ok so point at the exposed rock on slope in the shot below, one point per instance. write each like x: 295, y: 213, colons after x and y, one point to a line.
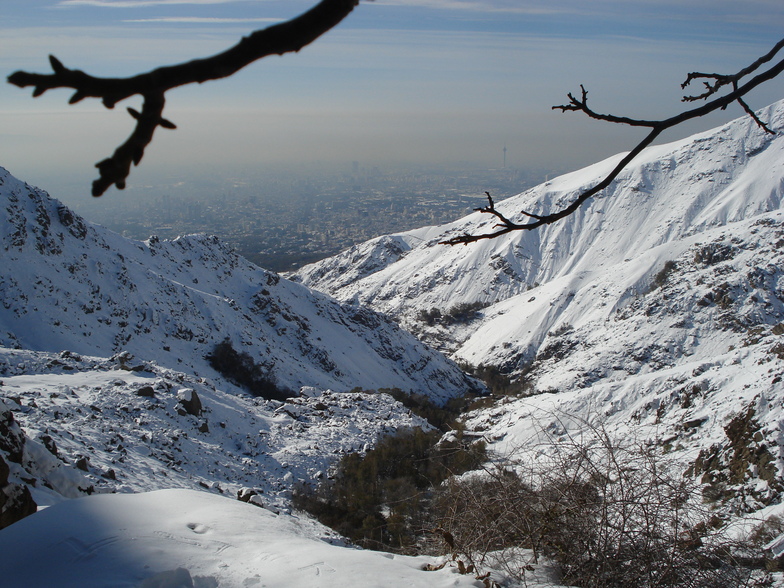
x: 84, y: 425
x: 16, y: 501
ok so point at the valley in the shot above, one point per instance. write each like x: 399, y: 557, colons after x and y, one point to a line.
x: 653, y: 319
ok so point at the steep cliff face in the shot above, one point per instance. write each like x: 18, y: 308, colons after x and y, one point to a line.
x: 70, y: 285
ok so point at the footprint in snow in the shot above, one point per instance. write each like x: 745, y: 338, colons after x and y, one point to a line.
x: 198, y: 528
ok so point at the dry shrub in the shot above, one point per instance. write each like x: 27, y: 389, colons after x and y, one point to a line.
x: 609, y: 513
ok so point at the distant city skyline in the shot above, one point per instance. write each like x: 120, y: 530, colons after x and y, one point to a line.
x: 435, y: 81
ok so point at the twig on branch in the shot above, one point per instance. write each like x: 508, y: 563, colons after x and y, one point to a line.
x: 286, y: 37
x: 657, y: 127
x: 721, y: 80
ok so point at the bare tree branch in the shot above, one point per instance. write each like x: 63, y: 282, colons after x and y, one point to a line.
x: 721, y: 80
x: 286, y: 37
x: 657, y: 127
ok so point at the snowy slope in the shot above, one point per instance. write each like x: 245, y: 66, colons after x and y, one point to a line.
x: 182, y: 539
x: 671, y: 192
x: 106, y: 399
x: 68, y: 285
x: 163, y: 509
x: 683, y: 301
x: 105, y: 388
x: 694, y: 363
x: 120, y: 425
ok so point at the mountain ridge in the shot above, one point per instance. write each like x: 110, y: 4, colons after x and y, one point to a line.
x: 671, y: 192
x: 69, y: 285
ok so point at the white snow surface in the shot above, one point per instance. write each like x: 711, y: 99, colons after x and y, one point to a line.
x: 185, y: 539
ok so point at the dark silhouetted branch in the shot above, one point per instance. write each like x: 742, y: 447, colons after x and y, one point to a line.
x: 657, y: 127
x: 286, y: 37
x: 721, y: 80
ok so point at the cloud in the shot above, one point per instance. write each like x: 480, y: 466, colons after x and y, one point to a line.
x: 204, y: 20
x: 477, y: 6
x: 137, y: 3
x: 752, y: 11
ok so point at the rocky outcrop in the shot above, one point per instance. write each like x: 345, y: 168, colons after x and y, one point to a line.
x: 16, y: 502
x: 189, y: 402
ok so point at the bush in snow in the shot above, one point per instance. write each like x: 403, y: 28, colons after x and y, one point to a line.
x: 240, y: 368
x: 380, y: 500
x: 463, y: 312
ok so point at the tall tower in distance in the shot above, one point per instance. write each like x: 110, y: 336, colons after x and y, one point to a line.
x: 504, y: 154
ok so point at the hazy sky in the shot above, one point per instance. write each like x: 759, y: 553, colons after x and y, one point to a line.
x: 400, y: 80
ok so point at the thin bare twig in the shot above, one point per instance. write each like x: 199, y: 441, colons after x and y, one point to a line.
x: 657, y: 127
x: 286, y: 37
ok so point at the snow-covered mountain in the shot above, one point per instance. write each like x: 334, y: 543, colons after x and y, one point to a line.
x: 657, y: 309
x: 69, y: 285
x: 655, y: 313
x: 105, y: 388
x: 671, y: 193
